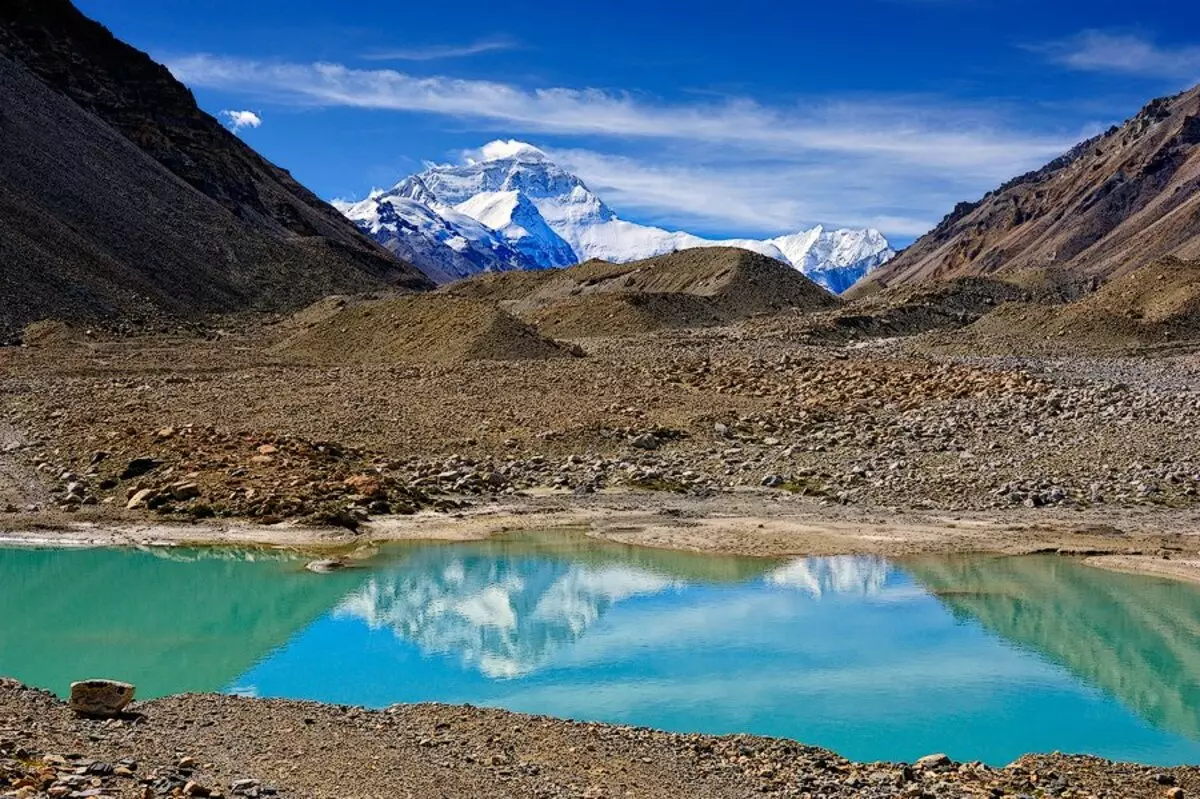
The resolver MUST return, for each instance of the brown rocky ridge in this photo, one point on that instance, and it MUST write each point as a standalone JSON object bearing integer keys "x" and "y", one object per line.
{"x": 1154, "y": 308}
{"x": 420, "y": 329}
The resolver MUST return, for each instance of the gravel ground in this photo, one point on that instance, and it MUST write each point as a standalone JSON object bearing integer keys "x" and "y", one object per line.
{"x": 228, "y": 746}
{"x": 223, "y": 429}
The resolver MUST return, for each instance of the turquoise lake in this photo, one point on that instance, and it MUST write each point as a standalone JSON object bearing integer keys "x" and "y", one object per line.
{"x": 984, "y": 658}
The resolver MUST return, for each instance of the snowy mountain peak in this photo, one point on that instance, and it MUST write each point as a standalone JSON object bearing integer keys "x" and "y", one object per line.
{"x": 514, "y": 200}
{"x": 513, "y": 215}
{"x": 413, "y": 188}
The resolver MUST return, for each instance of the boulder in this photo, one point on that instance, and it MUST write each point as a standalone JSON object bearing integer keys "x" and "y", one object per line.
{"x": 100, "y": 698}
{"x": 933, "y": 761}
{"x": 365, "y": 485}
{"x": 183, "y": 491}
{"x": 141, "y": 498}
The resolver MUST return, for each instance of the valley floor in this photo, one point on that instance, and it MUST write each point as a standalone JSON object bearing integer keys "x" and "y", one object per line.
{"x": 737, "y": 439}
{"x": 714, "y": 440}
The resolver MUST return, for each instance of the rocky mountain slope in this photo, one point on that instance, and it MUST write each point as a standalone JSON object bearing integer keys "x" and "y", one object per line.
{"x": 551, "y": 219}
{"x": 1111, "y": 205}
{"x": 120, "y": 199}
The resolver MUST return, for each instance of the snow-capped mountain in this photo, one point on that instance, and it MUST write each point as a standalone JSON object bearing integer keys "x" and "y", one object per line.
{"x": 835, "y": 258}
{"x": 456, "y": 220}
{"x": 443, "y": 243}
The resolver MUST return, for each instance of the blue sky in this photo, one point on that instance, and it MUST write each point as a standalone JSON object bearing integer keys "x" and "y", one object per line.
{"x": 753, "y": 119}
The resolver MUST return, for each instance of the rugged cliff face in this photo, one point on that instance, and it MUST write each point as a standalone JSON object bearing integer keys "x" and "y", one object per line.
{"x": 1111, "y": 205}
{"x": 121, "y": 199}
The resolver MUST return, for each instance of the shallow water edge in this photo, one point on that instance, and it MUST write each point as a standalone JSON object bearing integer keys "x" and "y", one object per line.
{"x": 1166, "y": 545}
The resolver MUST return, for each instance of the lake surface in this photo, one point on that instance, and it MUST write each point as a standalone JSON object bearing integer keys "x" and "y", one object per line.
{"x": 980, "y": 657}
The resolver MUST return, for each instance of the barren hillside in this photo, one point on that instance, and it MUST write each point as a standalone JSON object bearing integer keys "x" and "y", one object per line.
{"x": 1111, "y": 205}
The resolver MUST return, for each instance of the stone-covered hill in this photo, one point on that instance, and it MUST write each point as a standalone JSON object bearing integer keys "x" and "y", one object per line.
{"x": 1113, "y": 204}
{"x": 121, "y": 200}
{"x": 1156, "y": 307}
{"x": 431, "y": 328}
{"x": 689, "y": 288}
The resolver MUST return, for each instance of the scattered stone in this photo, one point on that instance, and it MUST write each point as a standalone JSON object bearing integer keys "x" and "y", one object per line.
{"x": 141, "y": 498}
{"x": 933, "y": 761}
{"x": 184, "y": 491}
{"x": 646, "y": 441}
{"x": 192, "y": 788}
{"x": 138, "y": 467}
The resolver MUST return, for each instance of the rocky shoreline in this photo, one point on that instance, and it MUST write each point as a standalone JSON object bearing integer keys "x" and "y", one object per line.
{"x": 222, "y": 746}
{"x": 753, "y": 524}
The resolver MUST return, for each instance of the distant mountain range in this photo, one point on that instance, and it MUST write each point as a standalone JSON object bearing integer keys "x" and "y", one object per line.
{"x": 1113, "y": 204}
{"x": 516, "y": 209}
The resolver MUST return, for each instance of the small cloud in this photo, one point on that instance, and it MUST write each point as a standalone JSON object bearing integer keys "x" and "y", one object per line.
{"x": 502, "y": 149}
{"x": 236, "y": 120}
{"x": 1122, "y": 53}
{"x": 437, "y": 52}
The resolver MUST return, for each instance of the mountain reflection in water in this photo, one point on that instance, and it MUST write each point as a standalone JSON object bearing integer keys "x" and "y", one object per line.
{"x": 873, "y": 658}
{"x": 1136, "y": 638}
{"x": 505, "y": 614}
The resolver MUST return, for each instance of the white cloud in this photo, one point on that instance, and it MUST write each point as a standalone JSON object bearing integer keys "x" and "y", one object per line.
{"x": 441, "y": 51}
{"x": 1099, "y": 51}
{"x": 897, "y": 163}
{"x": 746, "y": 198}
{"x": 236, "y": 120}
{"x": 508, "y": 148}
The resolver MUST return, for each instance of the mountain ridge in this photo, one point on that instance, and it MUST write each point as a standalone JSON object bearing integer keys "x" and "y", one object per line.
{"x": 128, "y": 204}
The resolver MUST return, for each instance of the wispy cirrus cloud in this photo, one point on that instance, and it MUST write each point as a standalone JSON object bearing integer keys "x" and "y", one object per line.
{"x": 898, "y": 163}
{"x": 1101, "y": 51}
{"x": 437, "y": 52}
{"x": 920, "y": 133}
{"x": 739, "y": 197}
